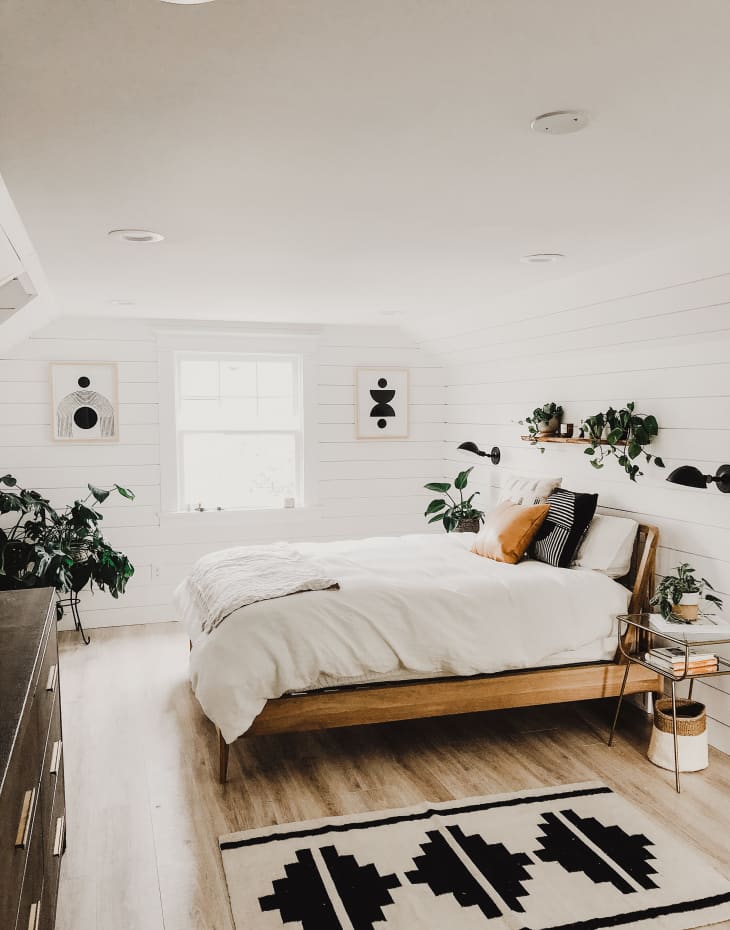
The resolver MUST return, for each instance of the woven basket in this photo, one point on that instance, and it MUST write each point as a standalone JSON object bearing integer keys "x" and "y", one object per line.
{"x": 691, "y": 735}
{"x": 468, "y": 525}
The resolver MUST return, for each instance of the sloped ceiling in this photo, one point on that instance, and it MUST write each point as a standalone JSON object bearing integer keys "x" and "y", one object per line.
{"x": 341, "y": 160}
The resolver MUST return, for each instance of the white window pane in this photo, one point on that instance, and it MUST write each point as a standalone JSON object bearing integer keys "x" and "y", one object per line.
{"x": 198, "y": 378}
{"x": 276, "y": 412}
{"x": 275, "y": 379}
{"x": 238, "y": 379}
{"x": 238, "y": 470}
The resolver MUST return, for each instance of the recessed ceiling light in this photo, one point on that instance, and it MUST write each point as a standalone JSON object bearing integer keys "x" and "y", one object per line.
{"x": 559, "y": 122}
{"x": 136, "y": 235}
{"x": 542, "y": 258}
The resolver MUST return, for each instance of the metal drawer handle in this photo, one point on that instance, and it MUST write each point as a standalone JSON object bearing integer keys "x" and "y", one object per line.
{"x": 52, "y": 675}
{"x": 34, "y": 918}
{"x": 55, "y": 757}
{"x": 22, "y": 836}
{"x": 58, "y": 839}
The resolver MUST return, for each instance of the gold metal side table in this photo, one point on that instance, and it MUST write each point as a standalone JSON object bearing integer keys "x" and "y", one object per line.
{"x": 635, "y": 638}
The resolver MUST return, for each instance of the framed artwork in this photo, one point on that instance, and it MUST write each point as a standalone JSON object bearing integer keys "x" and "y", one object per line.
{"x": 84, "y": 402}
{"x": 381, "y": 403}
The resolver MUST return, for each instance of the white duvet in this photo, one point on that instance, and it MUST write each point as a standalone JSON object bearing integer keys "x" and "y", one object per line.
{"x": 407, "y": 605}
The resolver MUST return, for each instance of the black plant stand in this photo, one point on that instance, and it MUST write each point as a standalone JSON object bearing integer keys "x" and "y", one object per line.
{"x": 72, "y": 601}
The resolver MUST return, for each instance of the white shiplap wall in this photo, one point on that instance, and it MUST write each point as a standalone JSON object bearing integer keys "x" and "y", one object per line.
{"x": 665, "y": 345}
{"x": 365, "y": 488}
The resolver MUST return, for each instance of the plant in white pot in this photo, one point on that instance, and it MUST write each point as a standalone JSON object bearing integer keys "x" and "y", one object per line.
{"x": 678, "y": 596}
{"x": 543, "y": 421}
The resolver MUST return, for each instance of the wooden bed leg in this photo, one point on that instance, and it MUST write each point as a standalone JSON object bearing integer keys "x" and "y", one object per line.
{"x": 222, "y": 759}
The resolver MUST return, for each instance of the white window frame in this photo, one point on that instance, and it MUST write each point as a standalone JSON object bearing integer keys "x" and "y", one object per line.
{"x": 174, "y": 347}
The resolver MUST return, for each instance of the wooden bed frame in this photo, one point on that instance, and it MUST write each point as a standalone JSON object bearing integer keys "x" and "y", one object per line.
{"x": 353, "y": 705}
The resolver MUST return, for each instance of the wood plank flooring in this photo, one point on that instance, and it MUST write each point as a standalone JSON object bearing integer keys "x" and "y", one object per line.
{"x": 145, "y": 807}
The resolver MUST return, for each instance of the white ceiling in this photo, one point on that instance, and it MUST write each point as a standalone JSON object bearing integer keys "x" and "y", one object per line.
{"x": 334, "y": 160}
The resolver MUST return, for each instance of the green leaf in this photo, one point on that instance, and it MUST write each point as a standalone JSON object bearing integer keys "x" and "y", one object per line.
{"x": 589, "y": 451}
{"x": 99, "y": 494}
{"x": 440, "y": 487}
{"x": 434, "y": 506}
{"x": 462, "y": 478}
{"x": 615, "y": 436}
{"x": 633, "y": 449}
{"x": 125, "y": 492}
{"x": 651, "y": 425}
{"x": 658, "y": 461}
{"x": 8, "y": 480}
{"x": 436, "y": 519}
{"x": 642, "y": 436}
{"x": 596, "y": 464}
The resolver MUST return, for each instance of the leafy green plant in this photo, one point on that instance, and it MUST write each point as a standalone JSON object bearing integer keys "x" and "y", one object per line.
{"x": 450, "y": 511}
{"x": 626, "y": 436}
{"x": 62, "y": 549}
{"x": 541, "y": 416}
{"x": 671, "y": 588}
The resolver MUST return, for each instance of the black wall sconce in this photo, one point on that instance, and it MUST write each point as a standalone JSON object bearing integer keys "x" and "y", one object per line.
{"x": 471, "y": 447}
{"x": 692, "y": 477}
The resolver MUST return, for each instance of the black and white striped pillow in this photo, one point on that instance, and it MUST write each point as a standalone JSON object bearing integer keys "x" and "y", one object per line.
{"x": 568, "y": 518}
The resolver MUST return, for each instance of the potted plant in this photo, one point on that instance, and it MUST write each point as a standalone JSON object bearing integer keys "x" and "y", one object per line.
{"x": 623, "y": 435}
{"x": 460, "y": 516}
{"x": 61, "y": 549}
{"x": 543, "y": 421}
{"x": 678, "y": 596}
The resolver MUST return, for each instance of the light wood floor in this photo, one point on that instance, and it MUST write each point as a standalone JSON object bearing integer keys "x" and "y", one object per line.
{"x": 145, "y": 808}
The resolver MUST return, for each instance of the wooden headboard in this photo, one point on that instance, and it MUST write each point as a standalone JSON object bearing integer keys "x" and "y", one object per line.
{"x": 640, "y": 579}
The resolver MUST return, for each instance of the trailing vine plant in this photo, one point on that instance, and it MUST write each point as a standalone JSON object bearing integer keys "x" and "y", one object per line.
{"x": 623, "y": 435}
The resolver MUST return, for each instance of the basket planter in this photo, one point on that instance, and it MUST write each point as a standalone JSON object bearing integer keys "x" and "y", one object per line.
{"x": 549, "y": 428}
{"x": 691, "y": 736}
{"x": 688, "y": 608}
{"x": 468, "y": 525}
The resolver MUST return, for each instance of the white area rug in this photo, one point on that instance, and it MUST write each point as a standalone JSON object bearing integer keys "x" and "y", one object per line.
{"x": 576, "y": 856}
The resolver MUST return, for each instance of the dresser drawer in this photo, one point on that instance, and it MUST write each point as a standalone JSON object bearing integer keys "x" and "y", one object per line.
{"x": 52, "y": 762}
{"x": 19, "y": 807}
{"x": 47, "y": 686}
{"x": 55, "y": 844}
{"x": 31, "y": 899}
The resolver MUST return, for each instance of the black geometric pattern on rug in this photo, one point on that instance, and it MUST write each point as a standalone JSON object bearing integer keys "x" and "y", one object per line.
{"x": 443, "y": 871}
{"x": 627, "y": 850}
{"x": 602, "y": 872}
{"x": 302, "y": 896}
{"x": 364, "y": 892}
{"x": 560, "y": 844}
{"x": 505, "y": 871}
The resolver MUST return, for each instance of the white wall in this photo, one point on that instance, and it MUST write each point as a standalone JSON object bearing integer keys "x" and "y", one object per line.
{"x": 656, "y": 332}
{"x": 365, "y": 488}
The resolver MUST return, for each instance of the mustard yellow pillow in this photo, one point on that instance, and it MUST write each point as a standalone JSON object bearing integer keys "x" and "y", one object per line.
{"x": 508, "y": 531}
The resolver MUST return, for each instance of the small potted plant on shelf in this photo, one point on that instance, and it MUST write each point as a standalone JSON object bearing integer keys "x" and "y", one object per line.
{"x": 460, "y": 516}
{"x": 543, "y": 421}
{"x": 678, "y": 596}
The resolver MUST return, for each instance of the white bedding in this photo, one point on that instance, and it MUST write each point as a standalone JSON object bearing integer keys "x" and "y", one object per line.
{"x": 407, "y": 605}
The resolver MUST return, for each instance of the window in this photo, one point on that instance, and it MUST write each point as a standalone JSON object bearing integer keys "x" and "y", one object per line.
{"x": 239, "y": 430}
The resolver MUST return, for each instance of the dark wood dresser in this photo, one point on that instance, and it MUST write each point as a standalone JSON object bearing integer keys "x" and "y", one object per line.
{"x": 32, "y": 804}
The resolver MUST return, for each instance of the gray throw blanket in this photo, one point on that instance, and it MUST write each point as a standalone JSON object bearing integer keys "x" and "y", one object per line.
{"x": 232, "y": 578}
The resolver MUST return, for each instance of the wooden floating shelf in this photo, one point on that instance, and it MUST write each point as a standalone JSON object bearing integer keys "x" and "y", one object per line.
{"x": 576, "y": 440}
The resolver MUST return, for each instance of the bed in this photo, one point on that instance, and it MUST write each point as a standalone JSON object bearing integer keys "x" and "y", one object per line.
{"x": 419, "y": 627}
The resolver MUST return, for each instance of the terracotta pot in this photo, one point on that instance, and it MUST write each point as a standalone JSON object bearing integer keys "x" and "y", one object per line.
{"x": 688, "y": 608}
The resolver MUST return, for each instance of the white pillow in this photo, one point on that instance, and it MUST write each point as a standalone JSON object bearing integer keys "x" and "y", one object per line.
{"x": 607, "y": 546}
{"x": 527, "y": 489}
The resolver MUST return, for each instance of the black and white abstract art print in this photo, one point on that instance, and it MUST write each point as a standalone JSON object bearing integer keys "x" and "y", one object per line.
{"x": 84, "y": 402}
{"x": 575, "y": 857}
{"x": 381, "y": 401}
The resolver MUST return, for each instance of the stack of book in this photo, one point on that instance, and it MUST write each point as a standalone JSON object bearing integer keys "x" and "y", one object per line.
{"x": 672, "y": 660}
